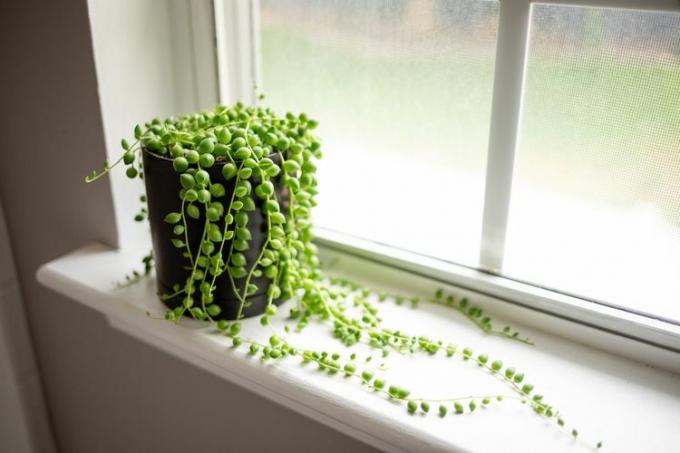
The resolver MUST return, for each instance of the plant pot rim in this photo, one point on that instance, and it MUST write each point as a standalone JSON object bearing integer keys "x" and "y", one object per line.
{"x": 170, "y": 159}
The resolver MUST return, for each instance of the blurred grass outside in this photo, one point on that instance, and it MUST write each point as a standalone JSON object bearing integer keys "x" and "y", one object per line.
{"x": 399, "y": 103}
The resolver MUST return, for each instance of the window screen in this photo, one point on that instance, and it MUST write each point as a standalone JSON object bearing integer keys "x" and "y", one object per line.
{"x": 595, "y": 206}
{"x": 402, "y": 90}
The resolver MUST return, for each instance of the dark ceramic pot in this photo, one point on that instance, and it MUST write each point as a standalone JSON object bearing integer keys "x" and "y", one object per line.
{"x": 162, "y": 192}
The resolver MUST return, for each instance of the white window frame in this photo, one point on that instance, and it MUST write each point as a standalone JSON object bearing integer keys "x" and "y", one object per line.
{"x": 235, "y": 47}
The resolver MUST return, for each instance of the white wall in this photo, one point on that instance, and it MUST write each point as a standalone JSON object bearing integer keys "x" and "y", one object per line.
{"x": 132, "y": 45}
{"x": 144, "y": 52}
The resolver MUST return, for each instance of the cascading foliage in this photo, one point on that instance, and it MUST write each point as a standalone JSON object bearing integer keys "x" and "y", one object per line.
{"x": 255, "y": 147}
{"x": 272, "y": 158}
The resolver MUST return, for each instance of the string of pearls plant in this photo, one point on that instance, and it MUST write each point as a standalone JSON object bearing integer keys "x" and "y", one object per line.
{"x": 272, "y": 158}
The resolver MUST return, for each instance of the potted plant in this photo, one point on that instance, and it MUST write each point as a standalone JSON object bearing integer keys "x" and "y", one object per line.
{"x": 229, "y": 195}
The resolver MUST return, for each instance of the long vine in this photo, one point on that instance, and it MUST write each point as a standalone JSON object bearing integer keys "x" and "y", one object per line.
{"x": 267, "y": 163}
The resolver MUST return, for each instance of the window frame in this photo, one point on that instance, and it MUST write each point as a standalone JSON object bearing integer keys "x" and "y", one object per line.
{"x": 235, "y": 48}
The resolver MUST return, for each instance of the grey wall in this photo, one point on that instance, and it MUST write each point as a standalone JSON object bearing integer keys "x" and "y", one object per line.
{"x": 24, "y": 425}
{"x": 104, "y": 391}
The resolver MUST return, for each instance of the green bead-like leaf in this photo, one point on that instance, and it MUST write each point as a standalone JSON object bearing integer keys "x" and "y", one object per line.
{"x": 212, "y": 214}
{"x": 229, "y": 170}
{"x": 265, "y": 163}
{"x": 192, "y": 156}
{"x": 290, "y": 166}
{"x": 243, "y": 234}
{"x": 180, "y": 164}
{"x": 187, "y": 180}
{"x": 206, "y": 146}
{"x": 238, "y": 259}
{"x": 214, "y": 310}
{"x": 241, "y": 219}
{"x": 214, "y": 233}
{"x": 412, "y": 406}
{"x": 271, "y": 206}
{"x": 206, "y": 160}
{"x": 245, "y": 173}
{"x": 128, "y": 157}
{"x": 173, "y": 217}
{"x": 192, "y": 211}
{"x": 242, "y": 153}
{"x": 277, "y": 218}
{"x": 265, "y": 190}
{"x": 202, "y": 177}
{"x": 223, "y": 136}
{"x": 204, "y": 196}
{"x": 217, "y": 190}
{"x": 191, "y": 195}
{"x": 238, "y": 272}
{"x": 248, "y": 204}
{"x": 177, "y": 150}
{"x": 273, "y": 171}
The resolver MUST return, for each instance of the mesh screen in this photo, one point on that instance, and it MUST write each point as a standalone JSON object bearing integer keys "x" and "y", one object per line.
{"x": 402, "y": 90}
{"x": 596, "y": 198}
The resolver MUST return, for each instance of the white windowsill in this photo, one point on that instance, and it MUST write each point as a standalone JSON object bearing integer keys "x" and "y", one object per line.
{"x": 629, "y": 406}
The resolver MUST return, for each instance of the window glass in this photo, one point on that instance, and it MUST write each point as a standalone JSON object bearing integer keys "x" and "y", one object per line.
{"x": 595, "y": 207}
{"x": 402, "y": 90}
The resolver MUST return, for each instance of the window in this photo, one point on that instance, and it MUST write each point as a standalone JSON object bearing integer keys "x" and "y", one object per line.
{"x": 536, "y": 141}
{"x": 403, "y": 94}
